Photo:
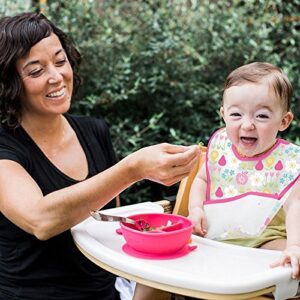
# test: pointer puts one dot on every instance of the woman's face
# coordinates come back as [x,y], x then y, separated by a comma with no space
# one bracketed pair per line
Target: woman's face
[47,78]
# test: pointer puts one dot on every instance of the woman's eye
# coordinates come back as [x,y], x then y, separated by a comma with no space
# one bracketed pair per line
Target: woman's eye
[35,73]
[61,62]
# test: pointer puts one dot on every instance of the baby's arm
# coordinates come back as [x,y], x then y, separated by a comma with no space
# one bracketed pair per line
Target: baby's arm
[196,199]
[291,254]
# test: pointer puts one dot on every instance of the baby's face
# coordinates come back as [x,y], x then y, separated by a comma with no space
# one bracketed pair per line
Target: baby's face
[253,116]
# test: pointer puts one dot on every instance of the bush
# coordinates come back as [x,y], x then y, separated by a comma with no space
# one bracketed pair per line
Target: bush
[155,69]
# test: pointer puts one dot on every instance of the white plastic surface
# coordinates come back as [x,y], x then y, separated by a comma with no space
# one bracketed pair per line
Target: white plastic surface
[213,267]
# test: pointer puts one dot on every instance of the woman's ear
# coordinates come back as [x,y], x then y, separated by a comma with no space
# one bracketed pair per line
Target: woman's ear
[286,121]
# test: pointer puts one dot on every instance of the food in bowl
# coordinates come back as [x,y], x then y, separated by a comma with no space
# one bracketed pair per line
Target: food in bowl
[158,239]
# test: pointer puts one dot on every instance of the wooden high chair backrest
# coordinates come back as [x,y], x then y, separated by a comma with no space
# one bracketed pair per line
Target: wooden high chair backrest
[182,197]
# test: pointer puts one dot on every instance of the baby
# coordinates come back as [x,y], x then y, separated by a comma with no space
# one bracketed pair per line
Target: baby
[248,191]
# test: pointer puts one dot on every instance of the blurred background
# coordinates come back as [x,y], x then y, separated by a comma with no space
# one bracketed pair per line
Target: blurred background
[154,70]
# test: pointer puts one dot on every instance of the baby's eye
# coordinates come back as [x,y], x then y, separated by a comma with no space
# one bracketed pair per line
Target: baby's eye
[235,114]
[262,116]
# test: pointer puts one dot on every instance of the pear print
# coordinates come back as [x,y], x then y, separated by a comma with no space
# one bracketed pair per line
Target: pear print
[222,161]
[259,166]
[219,192]
[279,166]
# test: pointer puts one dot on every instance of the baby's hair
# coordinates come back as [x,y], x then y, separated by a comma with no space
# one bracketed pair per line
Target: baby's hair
[256,72]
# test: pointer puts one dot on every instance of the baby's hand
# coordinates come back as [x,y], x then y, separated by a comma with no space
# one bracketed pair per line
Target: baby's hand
[198,218]
[291,255]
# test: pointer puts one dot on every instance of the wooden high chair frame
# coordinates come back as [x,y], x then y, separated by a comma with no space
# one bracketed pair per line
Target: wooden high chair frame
[182,197]
[181,208]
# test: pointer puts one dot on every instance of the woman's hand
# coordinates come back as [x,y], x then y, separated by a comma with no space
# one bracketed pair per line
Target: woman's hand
[163,163]
[291,255]
[199,220]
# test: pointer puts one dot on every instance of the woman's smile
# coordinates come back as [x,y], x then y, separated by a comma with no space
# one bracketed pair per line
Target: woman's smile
[56,94]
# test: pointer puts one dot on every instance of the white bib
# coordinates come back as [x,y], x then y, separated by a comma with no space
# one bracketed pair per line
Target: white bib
[244,194]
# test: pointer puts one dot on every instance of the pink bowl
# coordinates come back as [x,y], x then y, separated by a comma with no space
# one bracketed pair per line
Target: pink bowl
[158,242]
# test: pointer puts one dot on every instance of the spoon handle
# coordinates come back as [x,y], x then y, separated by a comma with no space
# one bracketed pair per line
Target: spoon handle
[109,218]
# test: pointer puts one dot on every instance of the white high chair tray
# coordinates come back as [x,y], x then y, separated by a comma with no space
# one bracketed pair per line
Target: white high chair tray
[214,267]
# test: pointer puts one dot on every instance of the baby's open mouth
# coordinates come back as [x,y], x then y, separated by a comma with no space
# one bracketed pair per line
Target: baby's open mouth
[248,140]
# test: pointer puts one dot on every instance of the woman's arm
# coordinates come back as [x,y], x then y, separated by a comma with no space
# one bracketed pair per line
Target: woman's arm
[22,202]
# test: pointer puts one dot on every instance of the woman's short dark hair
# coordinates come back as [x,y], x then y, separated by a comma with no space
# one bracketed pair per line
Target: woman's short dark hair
[18,34]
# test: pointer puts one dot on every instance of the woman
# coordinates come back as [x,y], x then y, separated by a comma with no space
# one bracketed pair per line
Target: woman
[55,167]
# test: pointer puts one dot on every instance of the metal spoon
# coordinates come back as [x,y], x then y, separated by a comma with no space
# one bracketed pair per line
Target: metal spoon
[139,224]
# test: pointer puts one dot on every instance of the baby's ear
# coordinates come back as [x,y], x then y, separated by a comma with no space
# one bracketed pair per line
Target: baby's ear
[286,121]
[222,111]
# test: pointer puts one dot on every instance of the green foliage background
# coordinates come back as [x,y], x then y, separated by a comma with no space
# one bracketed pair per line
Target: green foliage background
[155,69]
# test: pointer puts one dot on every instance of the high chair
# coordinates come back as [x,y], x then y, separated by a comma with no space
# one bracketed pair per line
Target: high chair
[220,271]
